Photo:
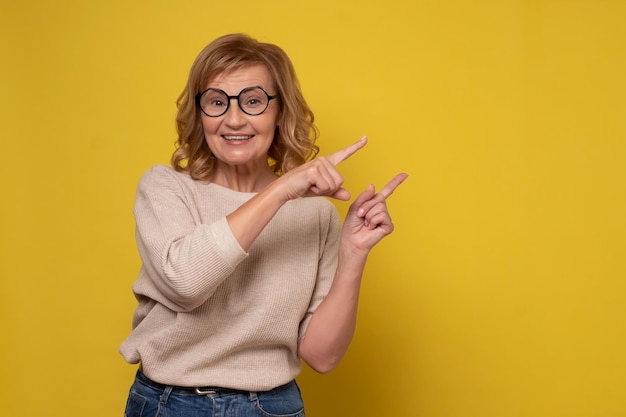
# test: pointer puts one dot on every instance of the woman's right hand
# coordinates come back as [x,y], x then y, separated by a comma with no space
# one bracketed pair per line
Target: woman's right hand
[320,176]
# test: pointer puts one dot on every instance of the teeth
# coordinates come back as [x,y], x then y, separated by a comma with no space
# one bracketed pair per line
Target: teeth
[238,137]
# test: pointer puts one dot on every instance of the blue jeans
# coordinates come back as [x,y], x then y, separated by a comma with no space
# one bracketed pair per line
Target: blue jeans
[150,399]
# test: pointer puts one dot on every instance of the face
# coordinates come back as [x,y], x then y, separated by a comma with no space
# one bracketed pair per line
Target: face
[236,138]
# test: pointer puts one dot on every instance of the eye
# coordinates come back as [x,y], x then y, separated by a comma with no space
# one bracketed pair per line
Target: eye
[214,98]
[216,102]
[253,98]
[253,101]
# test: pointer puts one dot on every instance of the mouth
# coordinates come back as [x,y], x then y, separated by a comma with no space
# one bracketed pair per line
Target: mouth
[233,138]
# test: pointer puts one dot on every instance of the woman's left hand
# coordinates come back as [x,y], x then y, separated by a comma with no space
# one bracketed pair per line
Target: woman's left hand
[332,326]
[368,220]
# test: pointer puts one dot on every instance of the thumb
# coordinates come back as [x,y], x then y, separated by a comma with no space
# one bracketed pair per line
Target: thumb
[366,195]
[342,194]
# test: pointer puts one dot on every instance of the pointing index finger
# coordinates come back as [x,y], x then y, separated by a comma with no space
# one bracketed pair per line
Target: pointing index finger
[391,186]
[343,154]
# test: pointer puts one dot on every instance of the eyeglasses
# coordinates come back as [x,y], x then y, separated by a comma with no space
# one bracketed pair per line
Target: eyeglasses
[215,102]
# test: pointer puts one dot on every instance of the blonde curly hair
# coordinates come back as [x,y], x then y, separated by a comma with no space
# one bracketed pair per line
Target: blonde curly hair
[294,139]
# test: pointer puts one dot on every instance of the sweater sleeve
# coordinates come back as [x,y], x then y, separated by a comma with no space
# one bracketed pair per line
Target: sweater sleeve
[184,260]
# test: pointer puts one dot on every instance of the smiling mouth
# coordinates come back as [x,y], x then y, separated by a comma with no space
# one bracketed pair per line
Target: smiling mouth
[237,137]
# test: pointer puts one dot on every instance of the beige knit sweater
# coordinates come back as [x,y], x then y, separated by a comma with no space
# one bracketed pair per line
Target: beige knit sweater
[209,313]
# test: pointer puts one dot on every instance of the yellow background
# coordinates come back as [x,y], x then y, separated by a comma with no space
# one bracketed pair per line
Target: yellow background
[502,291]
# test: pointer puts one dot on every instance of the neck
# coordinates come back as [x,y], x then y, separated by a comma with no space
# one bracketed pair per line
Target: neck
[243,178]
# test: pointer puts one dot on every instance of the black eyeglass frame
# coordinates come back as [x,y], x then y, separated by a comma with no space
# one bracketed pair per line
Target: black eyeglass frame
[229,98]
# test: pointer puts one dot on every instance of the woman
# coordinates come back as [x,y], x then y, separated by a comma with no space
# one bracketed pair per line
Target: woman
[245,269]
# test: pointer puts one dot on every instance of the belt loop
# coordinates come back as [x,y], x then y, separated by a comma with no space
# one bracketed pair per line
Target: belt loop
[166,395]
[253,397]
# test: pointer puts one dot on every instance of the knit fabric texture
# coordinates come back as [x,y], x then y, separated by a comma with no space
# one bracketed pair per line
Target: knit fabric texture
[209,313]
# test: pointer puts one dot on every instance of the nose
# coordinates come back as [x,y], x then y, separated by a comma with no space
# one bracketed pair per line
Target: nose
[234,116]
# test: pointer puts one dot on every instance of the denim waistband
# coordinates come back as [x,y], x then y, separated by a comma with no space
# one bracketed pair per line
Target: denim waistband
[187,390]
